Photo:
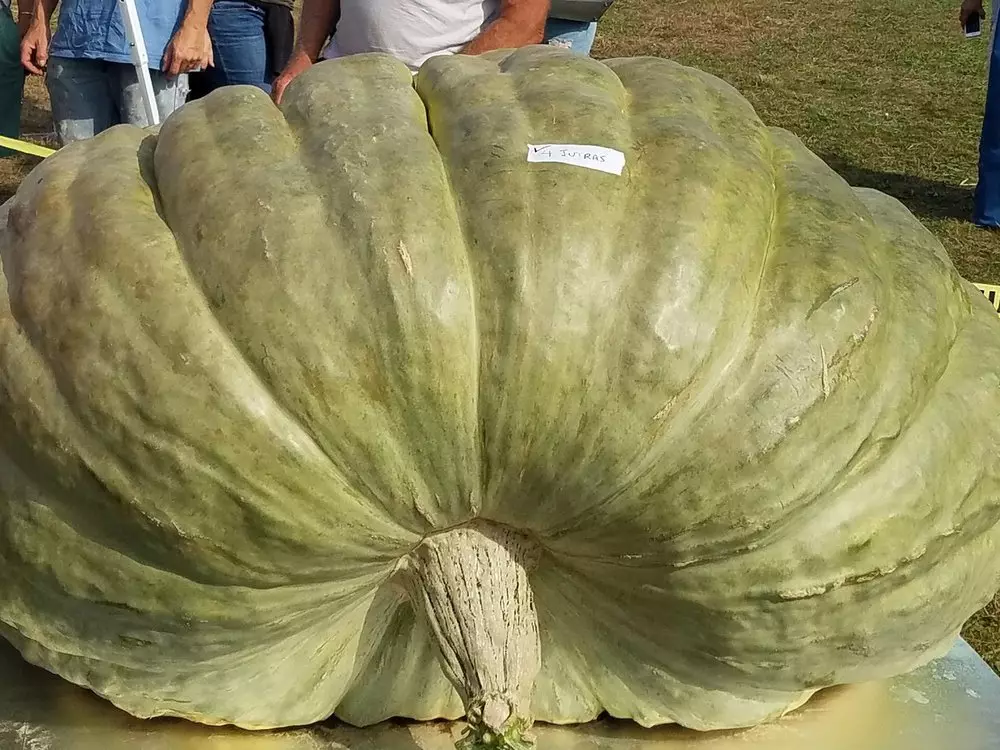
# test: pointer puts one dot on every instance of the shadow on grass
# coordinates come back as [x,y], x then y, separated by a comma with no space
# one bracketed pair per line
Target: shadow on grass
[927,199]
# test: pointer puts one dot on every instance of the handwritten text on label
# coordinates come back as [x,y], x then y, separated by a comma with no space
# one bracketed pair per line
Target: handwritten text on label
[591,157]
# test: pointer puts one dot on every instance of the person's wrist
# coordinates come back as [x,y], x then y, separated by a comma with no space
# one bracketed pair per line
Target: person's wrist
[307,53]
[196,19]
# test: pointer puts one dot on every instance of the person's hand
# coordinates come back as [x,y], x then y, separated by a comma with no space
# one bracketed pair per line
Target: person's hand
[297,64]
[35,47]
[190,49]
[970,8]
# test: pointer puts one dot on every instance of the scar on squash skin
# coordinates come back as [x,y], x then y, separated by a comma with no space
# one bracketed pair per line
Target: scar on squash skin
[838,289]
[825,374]
[664,410]
[404,255]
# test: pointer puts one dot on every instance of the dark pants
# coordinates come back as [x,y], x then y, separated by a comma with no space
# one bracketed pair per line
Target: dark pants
[243,44]
[987,212]
[11,79]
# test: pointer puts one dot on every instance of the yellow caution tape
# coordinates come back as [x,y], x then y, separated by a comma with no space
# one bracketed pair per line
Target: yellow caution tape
[25,148]
[992,293]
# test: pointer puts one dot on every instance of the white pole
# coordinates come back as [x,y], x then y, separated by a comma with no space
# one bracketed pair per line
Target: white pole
[140,58]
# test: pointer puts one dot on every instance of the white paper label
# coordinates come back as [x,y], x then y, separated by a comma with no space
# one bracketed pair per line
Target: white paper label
[590,157]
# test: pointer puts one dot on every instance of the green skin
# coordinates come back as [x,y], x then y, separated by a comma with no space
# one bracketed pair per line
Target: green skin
[513,737]
[249,361]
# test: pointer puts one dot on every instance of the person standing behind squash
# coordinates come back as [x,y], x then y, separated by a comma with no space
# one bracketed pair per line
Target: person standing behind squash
[252,41]
[88,69]
[11,72]
[986,213]
[411,30]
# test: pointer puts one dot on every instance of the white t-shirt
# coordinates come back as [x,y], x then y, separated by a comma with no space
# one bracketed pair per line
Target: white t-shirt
[409,30]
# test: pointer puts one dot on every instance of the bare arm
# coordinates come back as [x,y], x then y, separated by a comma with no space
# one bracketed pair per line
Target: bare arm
[521,22]
[41,8]
[35,39]
[319,18]
[44,9]
[196,13]
[190,49]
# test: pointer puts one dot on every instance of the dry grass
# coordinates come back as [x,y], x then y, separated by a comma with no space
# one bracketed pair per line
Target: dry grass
[983,632]
[36,126]
[887,91]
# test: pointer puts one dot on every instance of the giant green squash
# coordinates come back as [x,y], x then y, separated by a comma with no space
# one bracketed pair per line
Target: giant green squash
[347,408]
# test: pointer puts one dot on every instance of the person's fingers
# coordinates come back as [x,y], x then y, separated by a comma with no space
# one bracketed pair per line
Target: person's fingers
[42,48]
[31,59]
[176,63]
[278,90]
[209,57]
[27,61]
[27,52]
[299,63]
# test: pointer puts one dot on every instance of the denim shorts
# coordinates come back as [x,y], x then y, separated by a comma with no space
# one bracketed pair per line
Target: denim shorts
[90,96]
[577,36]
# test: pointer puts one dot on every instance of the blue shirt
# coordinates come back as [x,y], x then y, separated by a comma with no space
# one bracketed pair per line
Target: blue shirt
[94,30]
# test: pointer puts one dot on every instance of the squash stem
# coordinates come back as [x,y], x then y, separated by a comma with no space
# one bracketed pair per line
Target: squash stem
[470,584]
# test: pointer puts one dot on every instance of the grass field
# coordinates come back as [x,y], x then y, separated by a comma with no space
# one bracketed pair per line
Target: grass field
[889,92]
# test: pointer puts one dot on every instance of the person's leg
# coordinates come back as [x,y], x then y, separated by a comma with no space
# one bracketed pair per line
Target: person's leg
[198,85]
[11,80]
[170,94]
[239,46]
[577,36]
[83,98]
[987,206]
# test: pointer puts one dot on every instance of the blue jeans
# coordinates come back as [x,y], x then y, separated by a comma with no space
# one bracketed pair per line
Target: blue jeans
[987,208]
[90,96]
[239,46]
[577,36]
